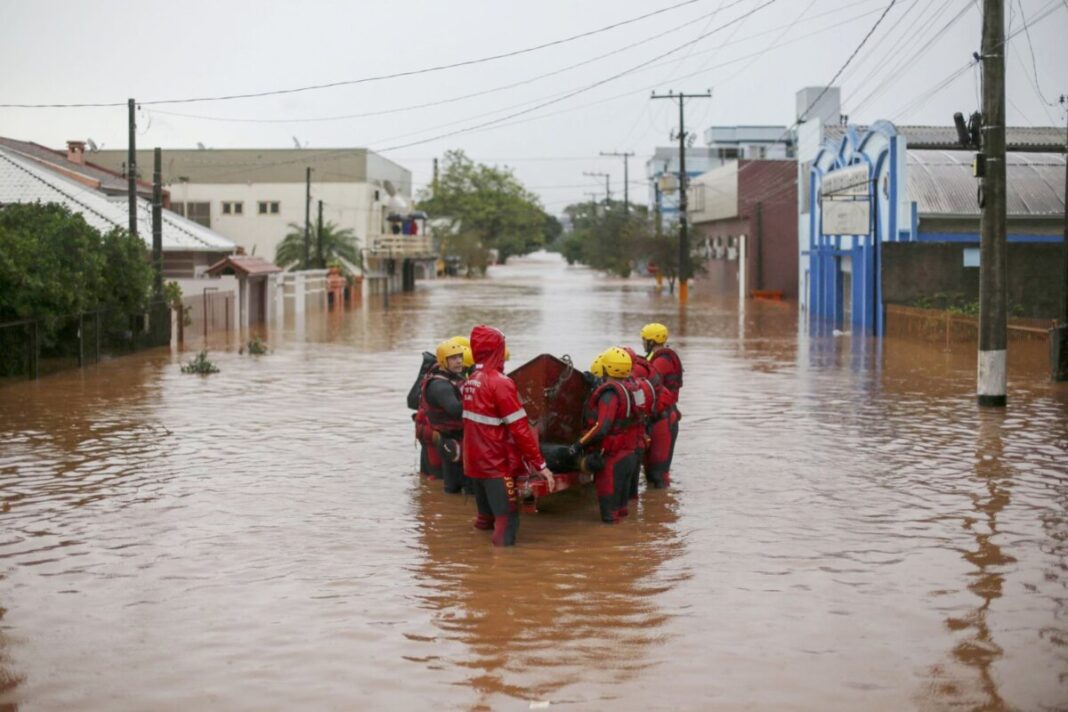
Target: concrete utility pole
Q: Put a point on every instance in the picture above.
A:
(626, 178)
(607, 184)
(993, 250)
(131, 165)
(307, 215)
(1059, 336)
(157, 222)
(434, 184)
(684, 237)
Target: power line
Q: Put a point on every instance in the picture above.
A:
(364, 80)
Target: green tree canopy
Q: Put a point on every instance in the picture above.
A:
(487, 208)
(338, 243)
(53, 263)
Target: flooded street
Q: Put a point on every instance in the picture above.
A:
(848, 530)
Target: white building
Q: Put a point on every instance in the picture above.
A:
(255, 196)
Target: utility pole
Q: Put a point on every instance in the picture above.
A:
(131, 165)
(434, 184)
(157, 222)
(319, 239)
(307, 213)
(684, 238)
(1059, 336)
(607, 184)
(993, 250)
(626, 178)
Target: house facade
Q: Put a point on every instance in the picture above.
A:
(256, 196)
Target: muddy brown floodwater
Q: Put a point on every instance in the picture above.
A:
(848, 531)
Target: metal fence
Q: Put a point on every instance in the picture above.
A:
(32, 348)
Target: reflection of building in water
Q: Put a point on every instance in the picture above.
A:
(970, 681)
(572, 608)
(9, 679)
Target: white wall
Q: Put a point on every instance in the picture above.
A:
(349, 205)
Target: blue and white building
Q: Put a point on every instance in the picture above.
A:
(869, 186)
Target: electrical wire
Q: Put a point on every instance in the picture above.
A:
(364, 80)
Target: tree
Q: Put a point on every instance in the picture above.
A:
(338, 243)
(487, 209)
(604, 236)
(53, 263)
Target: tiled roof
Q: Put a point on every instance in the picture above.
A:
(108, 181)
(25, 181)
(247, 265)
(941, 183)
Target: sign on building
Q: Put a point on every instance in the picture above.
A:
(844, 202)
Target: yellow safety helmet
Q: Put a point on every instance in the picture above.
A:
(616, 362)
(462, 340)
(597, 367)
(447, 349)
(507, 353)
(469, 357)
(657, 333)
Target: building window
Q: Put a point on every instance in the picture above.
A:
(728, 153)
(233, 208)
(178, 208)
(199, 213)
(268, 207)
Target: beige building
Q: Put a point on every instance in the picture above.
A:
(252, 196)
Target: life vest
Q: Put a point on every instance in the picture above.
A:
(437, 418)
(673, 378)
(643, 397)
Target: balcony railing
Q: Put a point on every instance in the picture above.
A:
(402, 246)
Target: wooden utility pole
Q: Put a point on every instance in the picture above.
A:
(993, 250)
(684, 237)
(157, 222)
(319, 239)
(626, 178)
(131, 164)
(307, 215)
(607, 184)
(1059, 335)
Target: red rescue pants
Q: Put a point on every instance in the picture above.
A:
(664, 432)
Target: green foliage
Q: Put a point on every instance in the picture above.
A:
(489, 209)
(200, 365)
(959, 305)
(256, 346)
(53, 263)
(172, 294)
(338, 244)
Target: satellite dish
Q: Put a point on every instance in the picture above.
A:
(296, 142)
(92, 145)
(390, 188)
(200, 146)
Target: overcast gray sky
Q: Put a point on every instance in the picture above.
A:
(756, 55)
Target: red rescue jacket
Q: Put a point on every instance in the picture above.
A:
(437, 417)
(665, 362)
(498, 439)
(610, 419)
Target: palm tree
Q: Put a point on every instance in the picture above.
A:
(337, 243)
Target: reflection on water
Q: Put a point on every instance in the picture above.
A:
(848, 530)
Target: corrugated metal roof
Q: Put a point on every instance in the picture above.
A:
(25, 181)
(1051, 138)
(108, 181)
(941, 183)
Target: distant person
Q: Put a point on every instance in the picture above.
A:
(441, 402)
(665, 430)
(498, 442)
(609, 419)
(429, 460)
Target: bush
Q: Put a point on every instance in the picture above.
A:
(200, 365)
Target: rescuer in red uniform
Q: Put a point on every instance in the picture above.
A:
(610, 420)
(642, 386)
(665, 429)
(498, 441)
(441, 401)
(429, 460)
